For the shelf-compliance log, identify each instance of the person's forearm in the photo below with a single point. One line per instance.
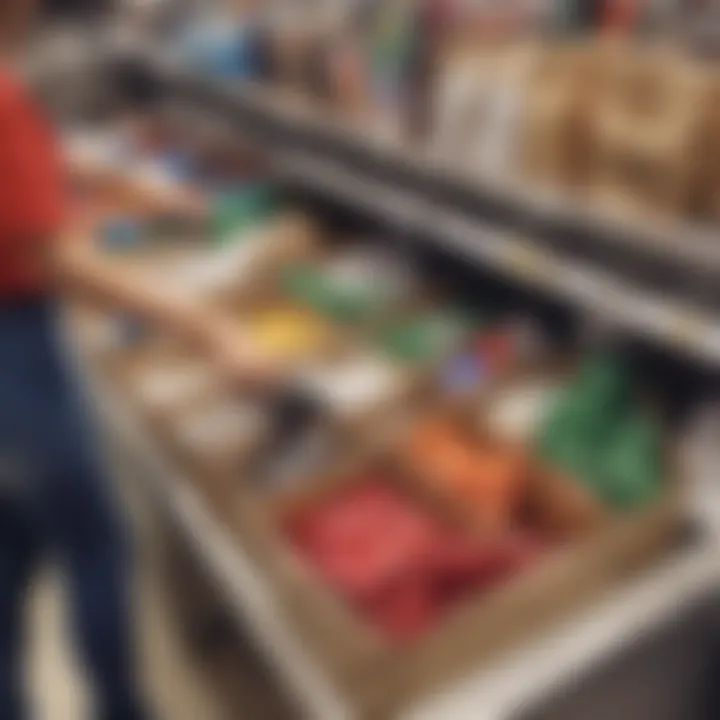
(81, 273)
(132, 193)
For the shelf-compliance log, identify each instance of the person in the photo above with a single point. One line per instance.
(54, 499)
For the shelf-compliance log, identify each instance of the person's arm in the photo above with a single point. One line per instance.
(80, 272)
(134, 195)
(33, 219)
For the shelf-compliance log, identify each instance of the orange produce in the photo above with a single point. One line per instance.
(486, 483)
(498, 487)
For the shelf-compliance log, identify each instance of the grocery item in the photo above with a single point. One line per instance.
(354, 385)
(348, 75)
(352, 286)
(222, 47)
(599, 435)
(372, 271)
(528, 341)
(463, 375)
(515, 413)
(463, 95)
(478, 108)
(179, 165)
(308, 286)
(428, 337)
(631, 468)
(587, 409)
(359, 521)
(559, 88)
(646, 131)
(288, 333)
(493, 353)
(482, 482)
(401, 567)
(392, 38)
(237, 209)
(498, 350)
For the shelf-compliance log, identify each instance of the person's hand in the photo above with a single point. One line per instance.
(235, 356)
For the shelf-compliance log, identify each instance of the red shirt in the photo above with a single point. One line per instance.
(31, 190)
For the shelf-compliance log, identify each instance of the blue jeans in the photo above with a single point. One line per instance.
(55, 504)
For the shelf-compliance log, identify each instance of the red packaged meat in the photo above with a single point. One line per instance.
(406, 609)
(462, 565)
(399, 566)
(362, 538)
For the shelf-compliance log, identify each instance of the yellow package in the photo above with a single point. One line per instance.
(289, 333)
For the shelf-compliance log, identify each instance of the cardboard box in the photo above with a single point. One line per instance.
(647, 132)
(555, 131)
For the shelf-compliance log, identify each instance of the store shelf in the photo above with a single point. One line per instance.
(522, 679)
(536, 242)
(682, 326)
(305, 126)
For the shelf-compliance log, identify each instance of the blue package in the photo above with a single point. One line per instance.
(463, 374)
(181, 166)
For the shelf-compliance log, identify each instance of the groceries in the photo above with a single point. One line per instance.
(515, 414)
(463, 374)
(355, 385)
(483, 481)
(237, 209)
(464, 500)
(489, 354)
(427, 337)
(425, 480)
(222, 47)
(288, 333)
(352, 286)
(627, 126)
(399, 565)
(599, 434)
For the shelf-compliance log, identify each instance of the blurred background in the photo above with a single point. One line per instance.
(477, 243)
